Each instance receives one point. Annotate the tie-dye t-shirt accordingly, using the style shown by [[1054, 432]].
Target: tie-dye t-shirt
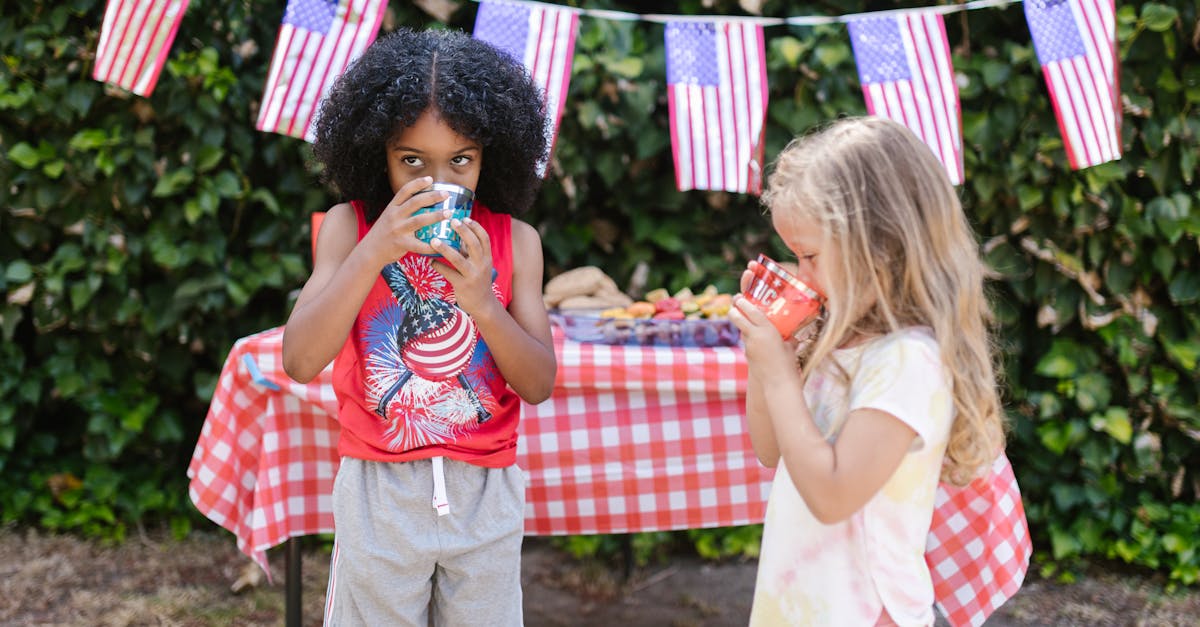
[[415, 378], [844, 574]]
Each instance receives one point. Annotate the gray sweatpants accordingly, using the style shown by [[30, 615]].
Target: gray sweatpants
[[395, 560]]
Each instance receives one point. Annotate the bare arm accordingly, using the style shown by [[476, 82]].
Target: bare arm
[[834, 479], [758, 421], [330, 299], [519, 337], [344, 269]]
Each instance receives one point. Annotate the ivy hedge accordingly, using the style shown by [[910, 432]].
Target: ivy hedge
[[139, 237]]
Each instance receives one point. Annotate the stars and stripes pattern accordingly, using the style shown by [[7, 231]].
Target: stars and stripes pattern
[[1076, 43], [134, 42], [717, 95], [317, 41], [446, 350], [542, 38], [904, 66]]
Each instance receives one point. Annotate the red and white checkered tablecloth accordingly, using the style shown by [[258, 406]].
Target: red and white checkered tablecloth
[[264, 464], [632, 439], [978, 547], [640, 438]]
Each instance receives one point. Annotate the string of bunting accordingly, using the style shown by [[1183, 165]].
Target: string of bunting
[[716, 70]]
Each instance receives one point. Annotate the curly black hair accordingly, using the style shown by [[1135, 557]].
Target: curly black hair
[[480, 92]]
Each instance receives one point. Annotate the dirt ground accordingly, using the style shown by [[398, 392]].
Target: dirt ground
[[152, 580]]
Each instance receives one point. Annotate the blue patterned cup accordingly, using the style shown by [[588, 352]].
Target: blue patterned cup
[[459, 205]]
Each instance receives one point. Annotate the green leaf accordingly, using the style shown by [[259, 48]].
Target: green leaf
[[1115, 422], [1184, 287], [172, 182], [1063, 543], [226, 185], [19, 271], [1092, 391], [788, 48], [628, 67], [24, 155], [1159, 17], [54, 169], [1060, 436], [89, 139], [1163, 260], [995, 73], [1185, 352], [208, 158], [83, 290], [1060, 361], [832, 55], [1030, 197]]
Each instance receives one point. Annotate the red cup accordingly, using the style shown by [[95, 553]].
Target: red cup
[[788, 302]]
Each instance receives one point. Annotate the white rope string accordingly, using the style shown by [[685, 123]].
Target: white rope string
[[799, 20]]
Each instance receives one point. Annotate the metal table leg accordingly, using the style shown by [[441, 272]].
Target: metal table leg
[[293, 583]]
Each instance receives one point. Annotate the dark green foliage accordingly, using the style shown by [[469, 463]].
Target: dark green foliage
[[139, 237]]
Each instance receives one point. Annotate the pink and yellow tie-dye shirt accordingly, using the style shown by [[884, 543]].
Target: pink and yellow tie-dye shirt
[[845, 574]]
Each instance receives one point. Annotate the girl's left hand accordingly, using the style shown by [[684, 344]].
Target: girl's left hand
[[469, 271]]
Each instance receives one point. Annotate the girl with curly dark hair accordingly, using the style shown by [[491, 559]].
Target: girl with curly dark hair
[[433, 346]]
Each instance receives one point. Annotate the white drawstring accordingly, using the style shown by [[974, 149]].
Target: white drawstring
[[440, 502]]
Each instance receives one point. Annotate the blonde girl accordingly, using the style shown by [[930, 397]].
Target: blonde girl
[[894, 390]]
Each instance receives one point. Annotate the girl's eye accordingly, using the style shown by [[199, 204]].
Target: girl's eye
[[411, 160], [460, 160]]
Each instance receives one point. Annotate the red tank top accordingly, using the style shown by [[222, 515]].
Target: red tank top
[[415, 379]]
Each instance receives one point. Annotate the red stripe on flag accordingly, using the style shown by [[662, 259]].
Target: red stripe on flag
[[676, 136], [321, 57], [115, 52], [305, 64], [922, 93], [150, 35], [135, 39], [727, 102], [138, 32], [757, 148], [161, 56]]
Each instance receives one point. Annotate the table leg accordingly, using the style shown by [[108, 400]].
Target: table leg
[[293, 583], [627, 554]]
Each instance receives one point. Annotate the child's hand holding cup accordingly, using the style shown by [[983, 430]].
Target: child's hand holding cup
[[789, 303], [458, 204]]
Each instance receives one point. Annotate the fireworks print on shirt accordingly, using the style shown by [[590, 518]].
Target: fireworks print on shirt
[[426, 365]]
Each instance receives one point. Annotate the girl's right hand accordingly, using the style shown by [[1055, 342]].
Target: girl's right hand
[[394, 234], [766, 352]]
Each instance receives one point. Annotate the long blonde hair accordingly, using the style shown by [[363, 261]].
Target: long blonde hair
[[908, 258]]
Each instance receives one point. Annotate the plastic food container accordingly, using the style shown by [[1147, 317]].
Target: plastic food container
[[588, 326]]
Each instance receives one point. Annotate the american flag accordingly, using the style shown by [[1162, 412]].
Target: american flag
[[1076, 42], [317, 40], [717, 91], [134, 42], [906, 74], [542, 38]]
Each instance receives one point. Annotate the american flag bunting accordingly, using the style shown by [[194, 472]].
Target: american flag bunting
[[717, 95], [135, 39], [542, 38], [906, 74], [317, 41], [1076, 43]]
